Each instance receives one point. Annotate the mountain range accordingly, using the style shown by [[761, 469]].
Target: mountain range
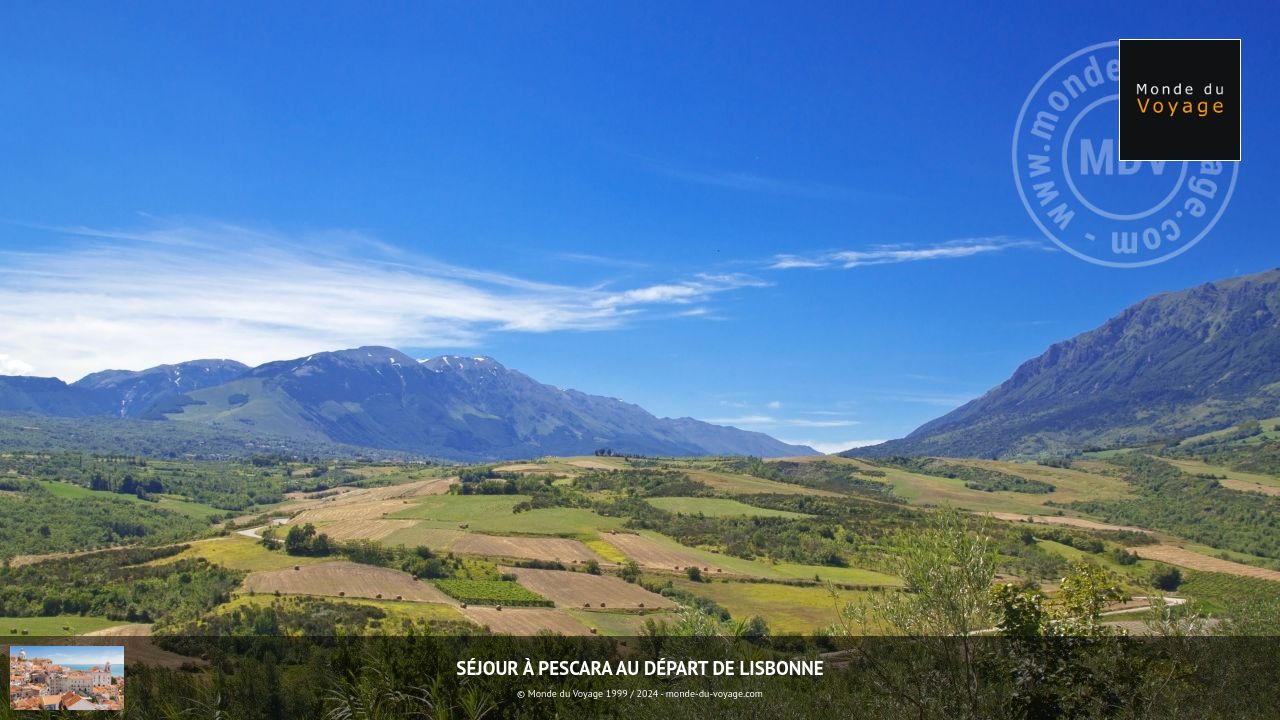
[[1172, 365], [456, 408]]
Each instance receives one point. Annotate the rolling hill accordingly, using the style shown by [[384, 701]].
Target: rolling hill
[[1172, 365], [457, 408]]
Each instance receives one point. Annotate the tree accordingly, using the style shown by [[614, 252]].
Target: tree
[[1166, 577], [630, 571], [298, 540], [948, 567]]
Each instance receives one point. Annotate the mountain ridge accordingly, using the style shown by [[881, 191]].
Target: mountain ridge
[[1173, 364], [451, 407]]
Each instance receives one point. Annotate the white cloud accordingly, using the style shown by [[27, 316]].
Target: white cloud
[[774, 405], [892, 254], [136, 299], [827, 448], [13, 366]]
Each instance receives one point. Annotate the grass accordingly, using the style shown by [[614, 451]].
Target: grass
[[435, 538], [1069, 485], [191, 509], [396, 610], [780, 571], [492, 592], [493, 514], [605, 550], [789, 610], [52, 626], [618, 624], [240, 553], [751, 485], [68, 491], [1267, 432], [1243, 558], [1243, 480], [1136, 573]]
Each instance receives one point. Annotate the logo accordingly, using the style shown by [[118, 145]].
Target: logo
[[1104, 210]]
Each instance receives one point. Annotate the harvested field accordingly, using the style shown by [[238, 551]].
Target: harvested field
[[1245, 486], [577, 590], [419, 534], [652, 554], [532, 548], [348, 510], [344, 579], [366, 503], [20, 560], [525, 621], [1194, 560], [132, 630], [1060, 520], [597, 464], [434, 486], [751, 485], [319, 494], [378, 529], [619, 624], [521, 467]]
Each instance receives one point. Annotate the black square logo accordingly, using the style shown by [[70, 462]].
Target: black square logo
[[1179, 100]]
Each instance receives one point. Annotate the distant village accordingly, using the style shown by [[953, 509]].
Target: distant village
[[42, 684]]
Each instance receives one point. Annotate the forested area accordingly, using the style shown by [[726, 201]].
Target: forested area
[[38, 521], [122, 584], [1197, 508]]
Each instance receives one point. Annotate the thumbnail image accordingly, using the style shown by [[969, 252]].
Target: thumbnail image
[[66, 677]]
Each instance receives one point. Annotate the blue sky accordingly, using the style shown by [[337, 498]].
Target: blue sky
[[610, 197], [76, 654]]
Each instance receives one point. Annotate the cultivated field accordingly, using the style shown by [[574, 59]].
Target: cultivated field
[[531, 548], [1062, 520], [502, 593], [662, 549], [396, 610], [420, 534], [658, 556], [597, 463], [342, 578], [238, 552], [364, 503], [578, 590], [420, 488], [751, 485], [1234, 479], [525, 622], [348, 507], [14, 628], [1069, 485], [788, 609], [619, 624], [1188, 559], [376, 529], [495, 514], [130, 630]]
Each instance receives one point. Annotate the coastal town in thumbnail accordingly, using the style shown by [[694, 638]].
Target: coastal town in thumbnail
[[66, 677]]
